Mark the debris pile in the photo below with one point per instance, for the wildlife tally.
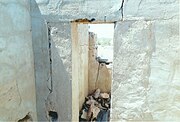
(96, 107)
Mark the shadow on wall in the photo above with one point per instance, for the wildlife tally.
(59, 100)
(27, 118)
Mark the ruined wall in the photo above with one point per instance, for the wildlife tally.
(98, 74)
(146, 47)
(17, 82)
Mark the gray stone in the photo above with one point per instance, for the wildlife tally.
(61, 37)
(41, 60)
(150, 9)
(53, 89)
(17, 81)
(60, 10)
(146, 57)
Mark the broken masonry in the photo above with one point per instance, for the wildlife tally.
(96, 107)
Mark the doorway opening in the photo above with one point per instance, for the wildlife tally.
(92, 61)
(101, 50)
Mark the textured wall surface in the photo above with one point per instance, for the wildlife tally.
(51, 54)
(17, 84)
(41, 60)
(146, 62)
(146, 71)
(104, 10)
(98, 74)
(82, 54)
(163, 96)
(61, 36)
(150, 9)
(79, 67)
(60, 99)
(146, 52)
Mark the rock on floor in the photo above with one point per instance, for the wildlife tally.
(96, 107)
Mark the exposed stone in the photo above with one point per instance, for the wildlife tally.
(146, 64)
(98, 74)
(164, 80)
(146, 58)
(61, 36)
(93, 107)
(68, 10)
(150, 9)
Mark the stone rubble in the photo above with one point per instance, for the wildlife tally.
(96, 107)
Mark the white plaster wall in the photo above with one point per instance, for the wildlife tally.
(146, 53)
(17, 83)
(146, 62)
(150, 9)
(146, 71)
(163, 96)
(133, 46)
(60, 10)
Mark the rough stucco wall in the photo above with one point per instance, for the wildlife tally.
(164, 81)
(98, 74)
(150, 9)
(60, 98)
(41, 60)
(55, 10)
(133, 46)
(93, 63)
(61, 36)
(146, 64)
(17, 83)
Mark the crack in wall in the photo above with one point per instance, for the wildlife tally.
(139, 3)
(50, 88)
(48, 80)
(122, 9)
(50, 58)
(18, 93)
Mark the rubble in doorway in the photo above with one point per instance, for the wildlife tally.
(96, 107)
